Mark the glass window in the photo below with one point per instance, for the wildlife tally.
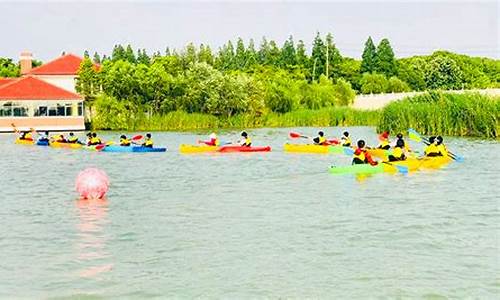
(52, 111)
(68, 109)
(41, 111)
(6, 110)
(80, 109)
(20, 112)
(60, 110)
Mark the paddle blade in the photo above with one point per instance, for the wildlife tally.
(295, 135)
(137, 137)
(100, 147)
(108, 143)
(402, 169)
(413, 135)
(348, 151)
(333, 142)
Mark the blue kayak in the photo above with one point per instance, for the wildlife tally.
(114, 148)
(42, 143)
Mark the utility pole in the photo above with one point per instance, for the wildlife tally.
(327, 59)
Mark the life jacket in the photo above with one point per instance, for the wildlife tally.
(215, 142)
(148, 143)
(432, 150)
(442, 149)
(397, 154)
(247, 142)
(384, 144)
(124, 142)
(346, 142)
(95, 141)
(359, 157)
(72, 139)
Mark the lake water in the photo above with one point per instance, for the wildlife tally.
(262, 225)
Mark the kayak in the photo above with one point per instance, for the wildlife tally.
(379, 153)
(362, 169)
(31, 142)
(411, 164)
(233, 148)
(435, 162)
(66, 145)
(311, 148)
(191, 149)
(115, 148)
(91, 148)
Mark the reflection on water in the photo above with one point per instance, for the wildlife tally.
(92, 238)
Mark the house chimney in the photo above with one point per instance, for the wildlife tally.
(25, 61)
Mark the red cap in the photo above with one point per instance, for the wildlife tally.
(384, 135)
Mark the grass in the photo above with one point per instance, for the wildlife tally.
(435, 113)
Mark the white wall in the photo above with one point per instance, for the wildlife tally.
(66, 82)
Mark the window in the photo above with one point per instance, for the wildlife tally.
(69, 110)
(20, 111)
(60, 110)
(52, 111)
(13, 109)
(41, 111)
(80, 109)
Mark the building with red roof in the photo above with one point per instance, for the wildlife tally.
(44, 98)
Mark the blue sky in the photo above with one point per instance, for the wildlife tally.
(48, 28)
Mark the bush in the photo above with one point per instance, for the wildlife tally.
(373, 83)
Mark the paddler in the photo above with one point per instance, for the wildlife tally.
(432, 150)
(124, 141)
(213, 140)
(361, 156)
(441, 147)
(44, 137)
(384, 141)
(345, 140)
(398, 153)
(94, 140)
(399, 137)
(59, 138)
(148, 141)
(245, 141)
(320, 139)
(73, 139)
(26, 135)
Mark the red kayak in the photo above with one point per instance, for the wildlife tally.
(233, 148)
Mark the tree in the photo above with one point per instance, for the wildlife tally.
(86, 54)
(118, 53)
(288, 56)
(225, 58)
(302, 58)
(251, 54)
(318, 57)
(396, 85)
(442, 72)
(273, 54)
(240, 56)
(369, 57)
(129, 55)
(373, 83)
(87, 83)
(97, 58)
(205, 54)
(343, 92)
(142, 57)
(333, 59)
(8, 68)
(264, 52)
(385, 63)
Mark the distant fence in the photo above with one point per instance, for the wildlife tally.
(376, 101)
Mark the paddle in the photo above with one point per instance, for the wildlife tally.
(417, 137)
(296, 135)
(401, 169)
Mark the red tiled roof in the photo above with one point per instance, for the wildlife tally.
(30, 88)
(6, 80)
(65, 65)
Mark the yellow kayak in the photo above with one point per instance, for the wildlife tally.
(193, 149)
(411, 163)
(311, 148)
(305, 148)
(435, 162)
(379, 153)
(66, 145)
(24, 142)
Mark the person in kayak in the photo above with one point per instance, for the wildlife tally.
(245, 141)
(213, 140)
(398, 153)
(432, 150)
(26, 135)
(59, 138)
(44, 137)
(320, 139)
(361, 156)
(73, 139)
(148, 141)
(384, 141)
(124, 141)
(345, 140)
(399, 137)
(441, 147)
(94, 140)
